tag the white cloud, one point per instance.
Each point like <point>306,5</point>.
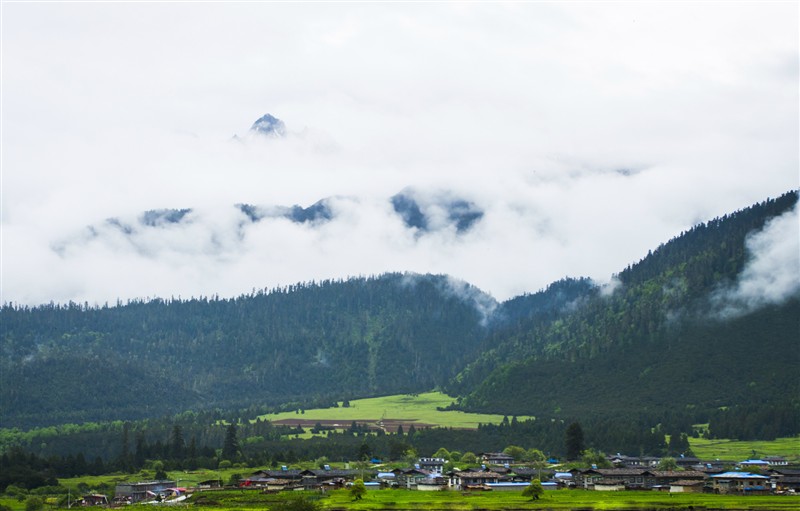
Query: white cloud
<point>772,274</point>
<point>526,110</point>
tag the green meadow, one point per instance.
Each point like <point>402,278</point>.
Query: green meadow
<point>417,408</point>
<point>738,450</point>
<point>450,500</point>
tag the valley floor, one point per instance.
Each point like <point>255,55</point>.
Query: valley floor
<point>559,499</point>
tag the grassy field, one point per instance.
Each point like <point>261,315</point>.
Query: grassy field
<point>736,450</point>
<point>418,408</point>
<point>449,500</point>
<point>239,500</point>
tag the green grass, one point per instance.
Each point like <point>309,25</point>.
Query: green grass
<point>450,500</point>
<point>420,408</point>
<point>737,450</point>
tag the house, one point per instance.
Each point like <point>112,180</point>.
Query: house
<point>432,464</point>
<point>687,486</point>
<point>776,461</point>
<point>434,482</point>
<point>754,464</point>
<point>612,477</point>
<point>622,461</point>
<point>526,474</point>
<point>669,477</point>
<point>209,484</point>
<point>330,477</point>
<point>463,480</point>
<point>740,482</point>
<point>686,462</point>
<point>94,499</point>
<point>785,480</point>
<point>141,491</point>
<point>411,477</point>
<point>387,478</point>
<point>608,485</point>
<point>497,458</point>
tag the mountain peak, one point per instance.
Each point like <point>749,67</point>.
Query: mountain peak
<point>269,125</point>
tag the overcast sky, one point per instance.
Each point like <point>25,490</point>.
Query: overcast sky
<point>587,133</point>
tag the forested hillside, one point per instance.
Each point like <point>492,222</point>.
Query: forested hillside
<point>657,341</point>
<point>314,342</point>
<point>658,344</point>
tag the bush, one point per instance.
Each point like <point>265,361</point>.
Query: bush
<point>13,490</point>
<point>33,503</point>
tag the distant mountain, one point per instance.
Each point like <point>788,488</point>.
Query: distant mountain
<point>679,332</point>
<point>421,213</point>
<point>439,211</point>
<point>269,125</point>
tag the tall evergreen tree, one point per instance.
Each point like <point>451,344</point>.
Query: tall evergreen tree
<point>230,448</point>
<point>573,441</point>
<point>177,446</point>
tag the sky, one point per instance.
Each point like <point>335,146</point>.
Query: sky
<point>586,133</point>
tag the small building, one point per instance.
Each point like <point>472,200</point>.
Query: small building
<point>687,486</point>
<point>785,480</point>
<point>497,458</point>
<point>432,464</point>
<point>433,483</point>
<point>633,478</point>
<point>209,484</point>
<point>740,482</point>
<point>411,477</point>
<point>776,461</point>
<point>608,485</point>
<point>473,478</point>
<point>751,464</point>
<point>94,499</point>
<point>141,491</point>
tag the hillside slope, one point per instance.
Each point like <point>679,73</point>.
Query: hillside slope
<point>313,342</point>
<point>677,333</point>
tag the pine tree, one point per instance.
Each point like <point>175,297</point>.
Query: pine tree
<point>230,448</point>
<point>573,441</point>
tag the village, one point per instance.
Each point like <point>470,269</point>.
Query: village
<point>497,472</point>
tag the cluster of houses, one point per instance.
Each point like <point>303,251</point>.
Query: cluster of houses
<point>499,473</point>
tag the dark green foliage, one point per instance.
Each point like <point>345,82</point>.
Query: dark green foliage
<point>533,490</point>
<point>34,503</point>
<point>358,490</point>
<point>304,343</point>
<point>652,353</point>
<point>230,449</point>
<point>655,344</point>
<point>573,441</point>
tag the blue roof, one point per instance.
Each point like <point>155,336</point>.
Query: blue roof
<point>739,475</point>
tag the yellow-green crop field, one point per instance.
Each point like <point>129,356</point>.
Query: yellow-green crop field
<point>418,408</point>
<point>738,450</point>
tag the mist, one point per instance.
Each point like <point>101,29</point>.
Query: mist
<point>536,140</point>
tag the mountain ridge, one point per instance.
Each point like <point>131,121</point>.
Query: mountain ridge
<point>319,342</point>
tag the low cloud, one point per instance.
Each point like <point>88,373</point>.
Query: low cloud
<point>772,273</point>
<point>535,140</point>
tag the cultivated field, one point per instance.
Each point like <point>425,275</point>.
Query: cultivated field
<point>406,410</point>
<point>737,450</point>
